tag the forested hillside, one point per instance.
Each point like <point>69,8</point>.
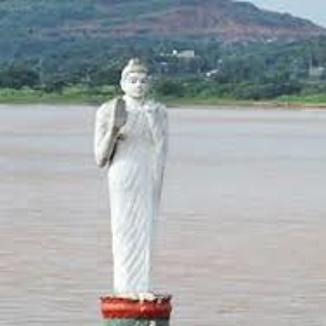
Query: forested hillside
<point>33,26</point>
<point>234,48</point>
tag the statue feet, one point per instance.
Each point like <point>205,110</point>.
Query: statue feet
<point>142,296</point>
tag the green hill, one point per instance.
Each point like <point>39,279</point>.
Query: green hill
<point>30,26</point>
<point>77,48</point>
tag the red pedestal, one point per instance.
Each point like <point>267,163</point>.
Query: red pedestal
<point>122,308</point>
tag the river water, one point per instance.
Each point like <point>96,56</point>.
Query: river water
<point>241,237</point>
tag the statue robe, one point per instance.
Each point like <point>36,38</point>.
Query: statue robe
<point>135,177</point>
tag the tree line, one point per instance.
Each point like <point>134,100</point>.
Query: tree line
<point>243,71</point>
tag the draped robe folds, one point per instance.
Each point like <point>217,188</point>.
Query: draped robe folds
<point>135,176</point>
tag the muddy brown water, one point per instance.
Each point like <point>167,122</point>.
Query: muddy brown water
<point>241,237</point>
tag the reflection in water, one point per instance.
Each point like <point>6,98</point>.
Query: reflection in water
<point>135,322</point>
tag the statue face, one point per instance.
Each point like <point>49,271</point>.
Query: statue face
<point>135,85</point>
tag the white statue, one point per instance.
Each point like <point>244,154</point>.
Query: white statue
<point>131,142</point>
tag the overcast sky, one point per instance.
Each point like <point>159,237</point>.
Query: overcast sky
<point>311,9</point>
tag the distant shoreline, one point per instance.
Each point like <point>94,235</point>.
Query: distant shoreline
<point>272,104</point>
<point>286,102</point>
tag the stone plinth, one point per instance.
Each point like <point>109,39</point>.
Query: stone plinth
<point>124,311</point>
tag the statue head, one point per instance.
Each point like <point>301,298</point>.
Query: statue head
<point>134,79</point>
